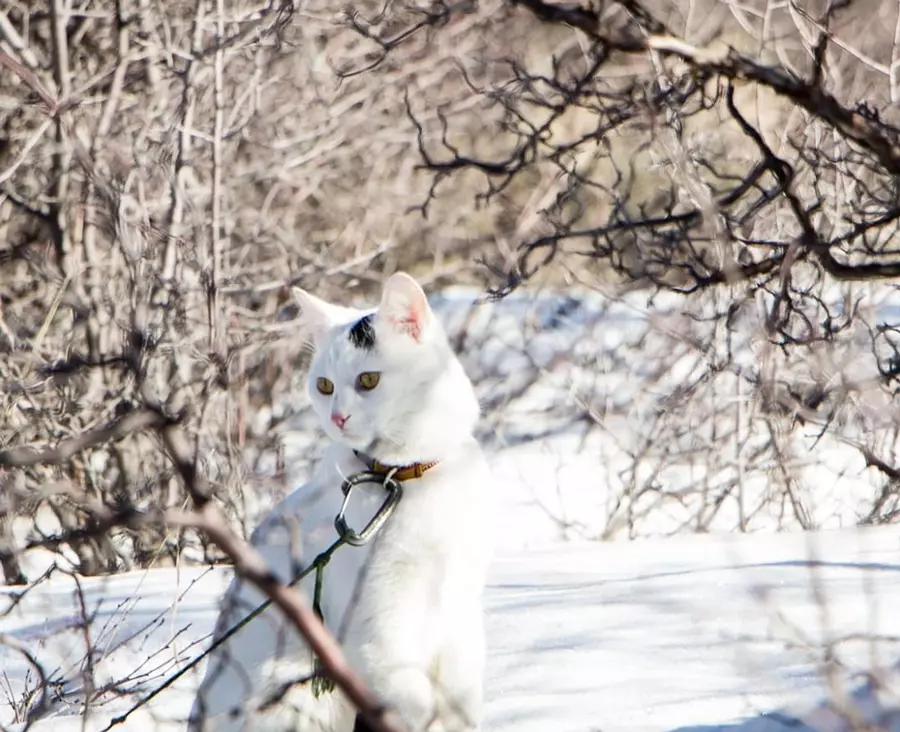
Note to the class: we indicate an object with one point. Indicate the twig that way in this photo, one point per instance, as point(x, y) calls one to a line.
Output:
point(34, 710)
point(135, 421)
point(215, 245)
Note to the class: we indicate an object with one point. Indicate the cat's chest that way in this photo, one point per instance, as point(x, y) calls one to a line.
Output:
point(413, 524)
point(410, 548)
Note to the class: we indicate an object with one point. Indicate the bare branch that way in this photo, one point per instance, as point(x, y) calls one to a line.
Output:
point(250, 565)
point(134, 421)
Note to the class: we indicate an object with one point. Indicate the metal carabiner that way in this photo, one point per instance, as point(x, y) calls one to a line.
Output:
point(394, 492)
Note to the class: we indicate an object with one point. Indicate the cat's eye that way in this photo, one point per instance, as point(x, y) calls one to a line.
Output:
point(368, 380)
point(325, 386)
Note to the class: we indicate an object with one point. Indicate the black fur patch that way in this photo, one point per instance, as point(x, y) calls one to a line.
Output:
point(362, 334)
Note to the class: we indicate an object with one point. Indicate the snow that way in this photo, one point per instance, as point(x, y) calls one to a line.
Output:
point(685, 633)
point(755, 632)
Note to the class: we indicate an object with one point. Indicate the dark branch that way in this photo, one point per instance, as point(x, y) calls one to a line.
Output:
point(134, 421)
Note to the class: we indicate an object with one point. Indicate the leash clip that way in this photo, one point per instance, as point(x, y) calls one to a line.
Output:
point(394, 493)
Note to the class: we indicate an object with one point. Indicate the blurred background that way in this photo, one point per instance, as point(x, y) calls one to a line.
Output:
point(661, 236)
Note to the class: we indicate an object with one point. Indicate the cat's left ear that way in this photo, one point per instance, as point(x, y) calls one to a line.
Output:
point(404, 307)
point(317, 316)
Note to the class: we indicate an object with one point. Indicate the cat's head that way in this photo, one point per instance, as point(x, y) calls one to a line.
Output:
point(385, 381)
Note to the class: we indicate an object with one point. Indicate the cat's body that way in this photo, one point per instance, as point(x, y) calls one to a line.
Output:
point(406, 606)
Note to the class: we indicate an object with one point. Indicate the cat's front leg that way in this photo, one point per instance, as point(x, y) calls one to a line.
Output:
point(393, 642)
point(427, 703)
point(459, 681)
point(440, 692)
point(410, 693)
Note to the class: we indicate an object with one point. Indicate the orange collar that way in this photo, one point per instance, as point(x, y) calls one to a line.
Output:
point(400, 474)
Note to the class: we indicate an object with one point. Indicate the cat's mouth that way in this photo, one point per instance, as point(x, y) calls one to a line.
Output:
point(376, 446)
point(354, 439)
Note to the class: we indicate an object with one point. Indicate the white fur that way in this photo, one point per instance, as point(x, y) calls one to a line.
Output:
point(407, 606)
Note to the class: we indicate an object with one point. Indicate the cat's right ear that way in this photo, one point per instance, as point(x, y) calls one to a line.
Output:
point(404, 306)
point(316, 317)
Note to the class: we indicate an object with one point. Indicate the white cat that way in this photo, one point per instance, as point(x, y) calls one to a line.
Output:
point(406, 606)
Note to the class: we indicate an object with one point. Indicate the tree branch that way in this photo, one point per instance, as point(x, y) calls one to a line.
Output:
point(730, 64)
point(135, 421)
point(250, 565)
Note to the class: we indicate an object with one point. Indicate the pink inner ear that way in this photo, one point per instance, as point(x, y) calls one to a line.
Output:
point(404, 307)
point(410, 323)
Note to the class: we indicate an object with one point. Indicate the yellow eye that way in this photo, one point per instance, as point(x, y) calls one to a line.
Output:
point(325, 386)
point(368, 380)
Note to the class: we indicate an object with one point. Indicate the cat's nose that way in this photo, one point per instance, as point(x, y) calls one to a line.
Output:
point(339, 419)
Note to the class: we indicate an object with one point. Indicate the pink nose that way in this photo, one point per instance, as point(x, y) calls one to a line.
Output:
point(339, 419)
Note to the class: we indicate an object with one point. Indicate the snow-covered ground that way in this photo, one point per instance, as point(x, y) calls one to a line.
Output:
point(685, 633)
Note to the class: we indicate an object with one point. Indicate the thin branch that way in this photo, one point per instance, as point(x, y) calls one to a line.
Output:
point(35, 710)
point(214, 253)
point(134, 421)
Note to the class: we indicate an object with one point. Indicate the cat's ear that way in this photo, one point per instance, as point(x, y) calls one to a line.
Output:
point(317, 317)
point(404, 307)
